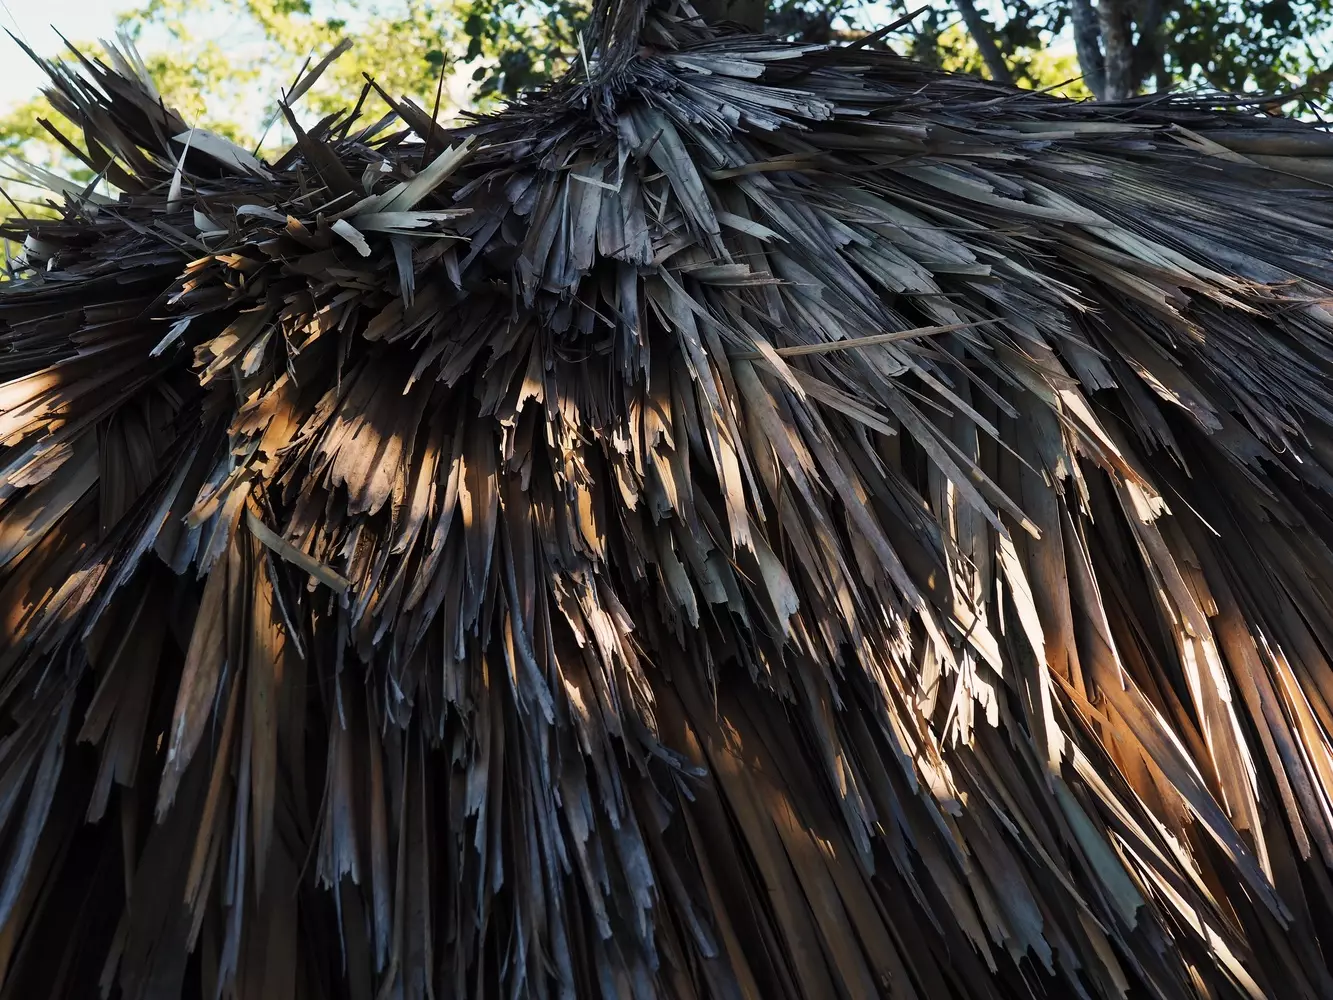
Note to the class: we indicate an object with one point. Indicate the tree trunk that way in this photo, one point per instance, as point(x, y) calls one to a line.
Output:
point(981, 34)
point(1149, 50)
point(1088, 44)
point(747, 13)
point(1117, 49)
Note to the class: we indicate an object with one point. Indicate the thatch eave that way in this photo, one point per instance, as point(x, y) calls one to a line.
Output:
point(751, 520)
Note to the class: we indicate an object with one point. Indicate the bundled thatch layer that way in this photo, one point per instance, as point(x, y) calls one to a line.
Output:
point(751, 522)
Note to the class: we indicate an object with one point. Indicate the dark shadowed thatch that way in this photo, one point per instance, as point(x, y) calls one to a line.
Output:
point(752, 522)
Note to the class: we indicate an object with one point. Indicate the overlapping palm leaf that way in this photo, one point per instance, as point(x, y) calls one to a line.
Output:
point(752, 521)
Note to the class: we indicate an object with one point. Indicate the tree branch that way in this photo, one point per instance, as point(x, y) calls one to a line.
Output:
point(1088, 44)
point(981, 34)
point(1117, 49)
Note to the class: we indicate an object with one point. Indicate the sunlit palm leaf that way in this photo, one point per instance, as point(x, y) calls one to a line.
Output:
point(752, 521)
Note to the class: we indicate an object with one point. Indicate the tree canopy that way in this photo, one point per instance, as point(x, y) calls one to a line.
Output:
point(1126, 46)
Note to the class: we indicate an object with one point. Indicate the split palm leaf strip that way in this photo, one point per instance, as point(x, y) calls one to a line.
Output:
point(750, 521)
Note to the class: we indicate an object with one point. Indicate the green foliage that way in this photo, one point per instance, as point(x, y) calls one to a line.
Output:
point(20, 126)
point(233, 87)
point(938, 38)
point(948, 46)
point(517, 46)
point(817, 21)
point(1231, 45)
point(1241, 45)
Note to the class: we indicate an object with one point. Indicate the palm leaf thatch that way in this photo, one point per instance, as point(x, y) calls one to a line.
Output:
point(752, 521)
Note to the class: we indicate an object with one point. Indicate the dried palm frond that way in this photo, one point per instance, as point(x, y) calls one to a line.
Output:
point(751, 521)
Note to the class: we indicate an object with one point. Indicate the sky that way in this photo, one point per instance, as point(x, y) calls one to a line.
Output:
point(33, 21)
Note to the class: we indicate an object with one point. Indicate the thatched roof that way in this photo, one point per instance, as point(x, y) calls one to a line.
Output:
point(753, 521)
